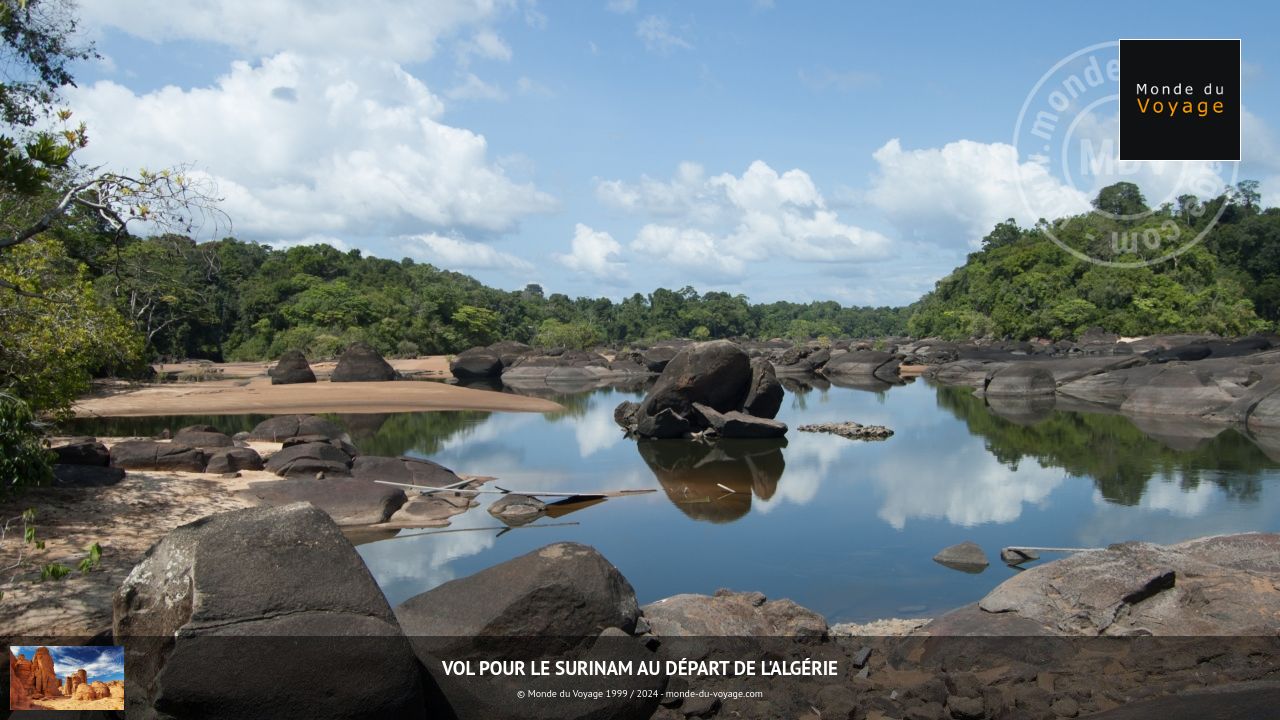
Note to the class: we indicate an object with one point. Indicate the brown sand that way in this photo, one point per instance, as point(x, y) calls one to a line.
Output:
point(259, 396)
point(125, 520)
point(107, 703)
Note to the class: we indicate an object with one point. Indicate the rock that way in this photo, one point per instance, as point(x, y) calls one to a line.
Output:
point(361, 363)
point(19, 696)
point(716, 374)
point(1265, 414)
point(665, 425)
point(152, 455)
point(1183, 391)
point(656, 358)
point(966, 708)
point(864, 362)
point(1110, 388)
point(737, 425)
point(625, 415)
point(478, 362)
point(508, 351)
point(1184, 353)
point(566, 593)
point(700, 707)
point(764, 398)
point(85, 693)
point(82, 451)
point(230, 460)
point(286, 584)
point(1018, 556)
point(291, 369)
point(1217, 586)
point(1021, 379)
point(201, 438)
point(851, 430)
point(411, 471)
point(44, 679)
point(82, 476)
point(1225, 702)
point(346, 500)
point(516, 509)
point(1065, 707)
point(730, 614)
point(283, 427)
point(966, 557)
point(309, 458)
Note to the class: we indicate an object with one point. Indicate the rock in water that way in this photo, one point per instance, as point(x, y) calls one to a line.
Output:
point(516, 509)
point(292, 369)
point(280, 585)
point(478, 362)
point(1021, 379)
point(965, 557)
point(765, 396)
point(716, 374)
point(283, 427)
point(851, 430)
point(737, 425)
point(361, 363)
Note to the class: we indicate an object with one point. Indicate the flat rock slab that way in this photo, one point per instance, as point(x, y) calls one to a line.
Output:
point(347, 501)
point(732, 614)
point(152, 455)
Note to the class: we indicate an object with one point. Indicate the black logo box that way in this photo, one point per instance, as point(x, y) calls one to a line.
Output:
point(1185, 67)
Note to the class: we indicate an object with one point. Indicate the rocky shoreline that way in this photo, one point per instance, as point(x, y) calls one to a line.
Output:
point(1201, 615)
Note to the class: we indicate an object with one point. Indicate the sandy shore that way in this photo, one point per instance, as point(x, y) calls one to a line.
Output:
point(244, 388)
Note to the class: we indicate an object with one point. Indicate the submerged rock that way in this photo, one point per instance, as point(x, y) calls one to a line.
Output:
point(850, 430)
point(517, 509)
point(965, 557)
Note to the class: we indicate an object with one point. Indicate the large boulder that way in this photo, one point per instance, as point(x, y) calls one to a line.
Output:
point(348, 501)
point(764, 398)
point(1021, 380)
point(732, 614)
point(876, 363)
point(478, 362)
point(508, 351)
point(656, 358)
point(279, 585)
point(153, 455)
point(82, 451)
point(716, 374)
point(1181, 390)
point(292, 368)
point(565, 593)
point(229, 460)
point(307, 459)
point(411, 471)
point(202, 436)
point(361, 363)
point(283, 427)
point(1216, 586)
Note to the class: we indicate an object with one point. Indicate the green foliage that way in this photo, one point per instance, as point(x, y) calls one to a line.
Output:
point(54, 571)
point(573, 335)
point(1022, 286)
point(55, 329)
point(23, 459)
point(92, 557)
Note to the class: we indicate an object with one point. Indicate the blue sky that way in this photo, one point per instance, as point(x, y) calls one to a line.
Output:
point(100, 663)
point(606, 147)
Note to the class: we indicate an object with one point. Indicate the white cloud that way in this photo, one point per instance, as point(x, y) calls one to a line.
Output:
point(473, 88)
point(960, 191)
point(456, 253)
point(485, 44)
point(719, 224)
point(358, 150)
point(656, 32)
point(402, 30)
point(593, 253)
point(621, 6)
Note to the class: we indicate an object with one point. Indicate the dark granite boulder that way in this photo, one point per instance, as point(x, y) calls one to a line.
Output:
point(229, 460)
point(82, 451)
point(283, 427)
point(292, 368)
point(361, 363)
point(764, 399)
point(152, 455)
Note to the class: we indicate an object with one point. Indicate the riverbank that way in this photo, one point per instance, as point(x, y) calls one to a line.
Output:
point(244, 388)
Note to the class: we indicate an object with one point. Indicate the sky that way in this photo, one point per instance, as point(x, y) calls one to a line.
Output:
point(100, 663)
point(784, 150)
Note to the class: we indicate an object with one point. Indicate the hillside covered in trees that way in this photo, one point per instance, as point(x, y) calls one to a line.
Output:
point(1021, 285)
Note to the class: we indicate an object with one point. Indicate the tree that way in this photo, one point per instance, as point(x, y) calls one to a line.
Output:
point(1122, 199)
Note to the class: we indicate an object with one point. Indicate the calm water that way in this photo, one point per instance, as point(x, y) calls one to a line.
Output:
point(846, 528)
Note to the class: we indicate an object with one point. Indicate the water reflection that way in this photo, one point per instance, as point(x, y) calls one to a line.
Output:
point(715, 482)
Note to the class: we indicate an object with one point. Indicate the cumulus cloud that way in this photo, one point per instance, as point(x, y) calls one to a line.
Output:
point(456, 253)
point(473, 88)
point(401, 30)
point(486, 44)
point(592, 253)
point(301, 146)
point(656, 32)
point(960, 191)
point(721, 223)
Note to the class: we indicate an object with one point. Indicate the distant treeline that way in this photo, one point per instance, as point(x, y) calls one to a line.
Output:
point(234, 300)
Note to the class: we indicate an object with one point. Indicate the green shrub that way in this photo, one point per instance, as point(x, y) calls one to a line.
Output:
point(23, 459)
